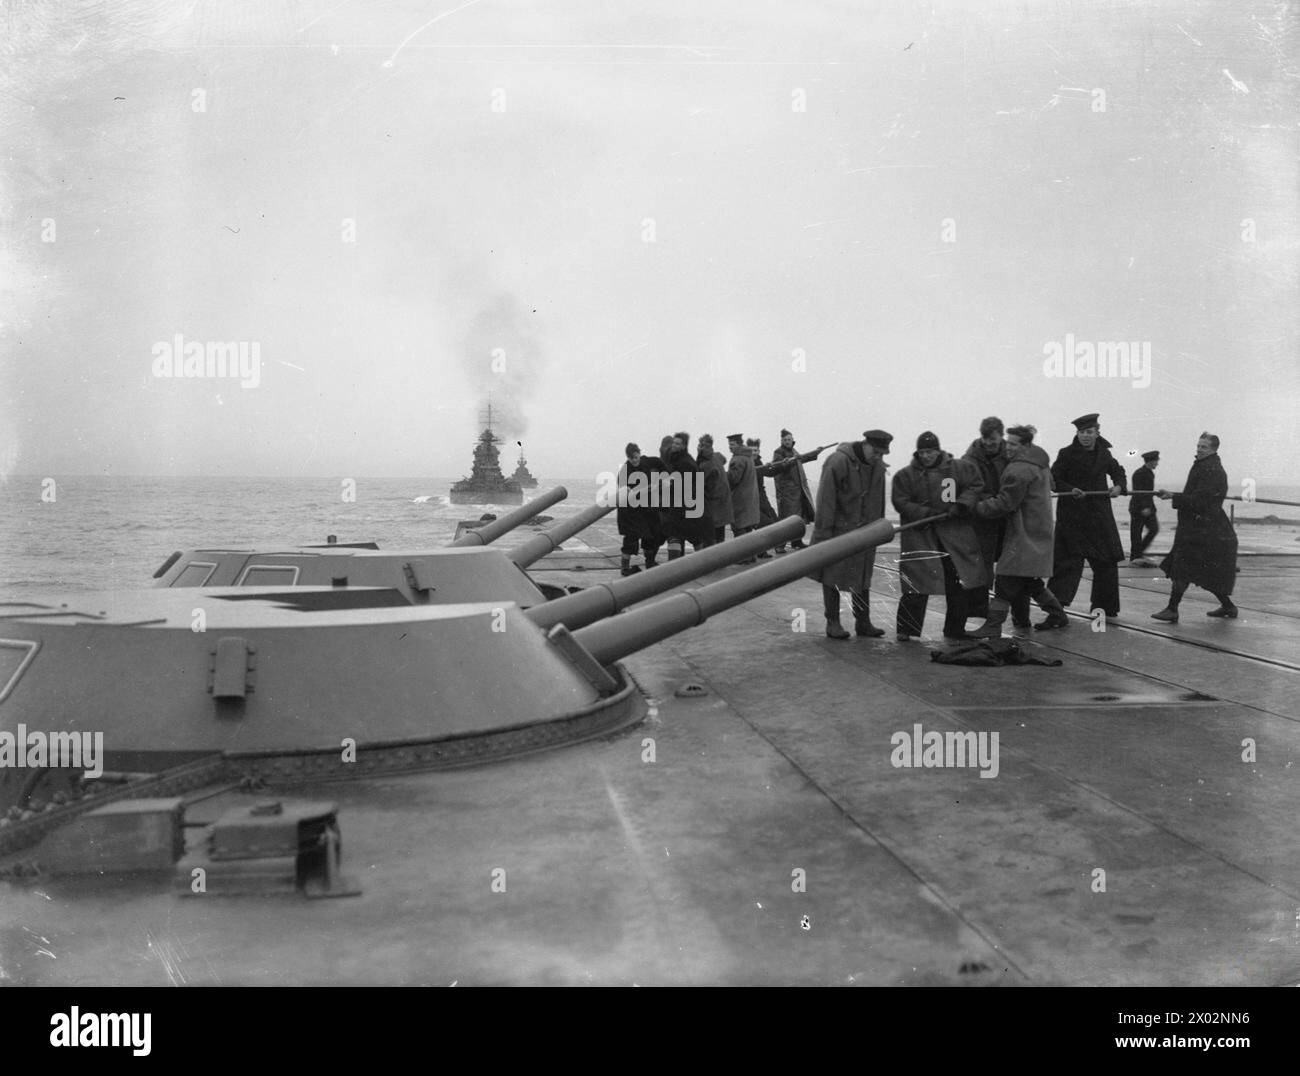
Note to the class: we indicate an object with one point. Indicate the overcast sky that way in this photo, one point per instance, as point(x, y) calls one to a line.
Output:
point(723, 216)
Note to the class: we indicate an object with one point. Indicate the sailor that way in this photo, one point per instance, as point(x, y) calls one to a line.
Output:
point(793, 494)
point(1205, 545)
point(851, 494)
point(673, 522)
point(944, 557)
point(717, 492)
point(988, 453)
point(766, 513)
point(1024, 502)
point(1085, 526)
point(1143, 526)
point(744, 488)
point(639, 524)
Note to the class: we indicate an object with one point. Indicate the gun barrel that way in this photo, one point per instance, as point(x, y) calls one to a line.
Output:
point(548, 541)
point(605, 599)
point(490, 532)
point(622, 635)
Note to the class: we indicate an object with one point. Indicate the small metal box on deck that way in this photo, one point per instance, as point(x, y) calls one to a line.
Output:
point(124, 837)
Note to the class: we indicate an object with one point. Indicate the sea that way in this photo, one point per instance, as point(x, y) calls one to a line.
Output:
point(101, 532)
point(97, 532)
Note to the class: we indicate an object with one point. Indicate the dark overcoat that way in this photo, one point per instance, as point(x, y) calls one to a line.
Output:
point(1205, 545)
point(850, 494)
point(1085, 526)
point(717, 490)
point(674, 521)
point(989, 530)
point(766, 513)
point(1024, 501)
point(793, 496)
point(641, 523)
point(744, 487)
point(918, 493)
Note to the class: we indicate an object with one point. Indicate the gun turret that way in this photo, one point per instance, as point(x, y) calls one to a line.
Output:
point(490, 532)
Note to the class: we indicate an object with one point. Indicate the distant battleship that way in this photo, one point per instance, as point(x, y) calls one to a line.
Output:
point(523, 476)
point(486, 484)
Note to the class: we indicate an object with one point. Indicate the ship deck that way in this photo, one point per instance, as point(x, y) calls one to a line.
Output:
point(1127, 759)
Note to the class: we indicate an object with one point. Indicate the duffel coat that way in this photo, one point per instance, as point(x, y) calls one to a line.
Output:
point(744, 487)
point(793, 496)
point(717, 490)
point(1205, 545)
point(850, 494)
point(990, 531)
point(1025, 502)
point(917, 493)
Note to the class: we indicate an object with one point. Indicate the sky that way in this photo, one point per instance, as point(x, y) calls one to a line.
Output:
point(623, 221)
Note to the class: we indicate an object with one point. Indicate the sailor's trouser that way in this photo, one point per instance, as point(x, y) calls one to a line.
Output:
point(1137, 542)
point(1067, 572)
point(1018, 591)
point(911, 607)
point(857, 600)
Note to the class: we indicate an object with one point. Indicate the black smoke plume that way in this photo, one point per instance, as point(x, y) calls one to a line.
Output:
point(503, 358)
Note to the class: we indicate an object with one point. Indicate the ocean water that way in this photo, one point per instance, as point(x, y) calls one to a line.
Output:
point(102, 532)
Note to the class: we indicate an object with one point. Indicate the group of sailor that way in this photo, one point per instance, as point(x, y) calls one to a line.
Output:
point(978, 529)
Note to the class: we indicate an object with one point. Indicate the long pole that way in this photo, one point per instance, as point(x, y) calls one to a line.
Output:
point(1244, 500)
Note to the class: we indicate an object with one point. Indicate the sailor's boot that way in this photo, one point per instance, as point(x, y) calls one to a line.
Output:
point(834, 629)
point(992, 627)
point(862, 626)
point(831, 607)
point(627, 568)
point(1056, 618)
point(1169, 614)
point(674, 550)
point(1226, 609)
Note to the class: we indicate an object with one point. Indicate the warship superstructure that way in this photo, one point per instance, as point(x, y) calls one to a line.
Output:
point(486, 484)
point(522, 474)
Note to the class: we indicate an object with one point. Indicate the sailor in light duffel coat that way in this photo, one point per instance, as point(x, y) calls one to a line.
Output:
point(850, 494)
point(1024, 500)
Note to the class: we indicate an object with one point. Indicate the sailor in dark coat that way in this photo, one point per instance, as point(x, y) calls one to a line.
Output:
point(1024, 500)
point(639, 525)
point(793, 494)
point(1085, 526)
point(1143, 526)
point(717, 491)
point(766, 513)
point(939, 558)
point(678, 524)
point(851, 494)
point(989, 453)
point(1205, 545)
